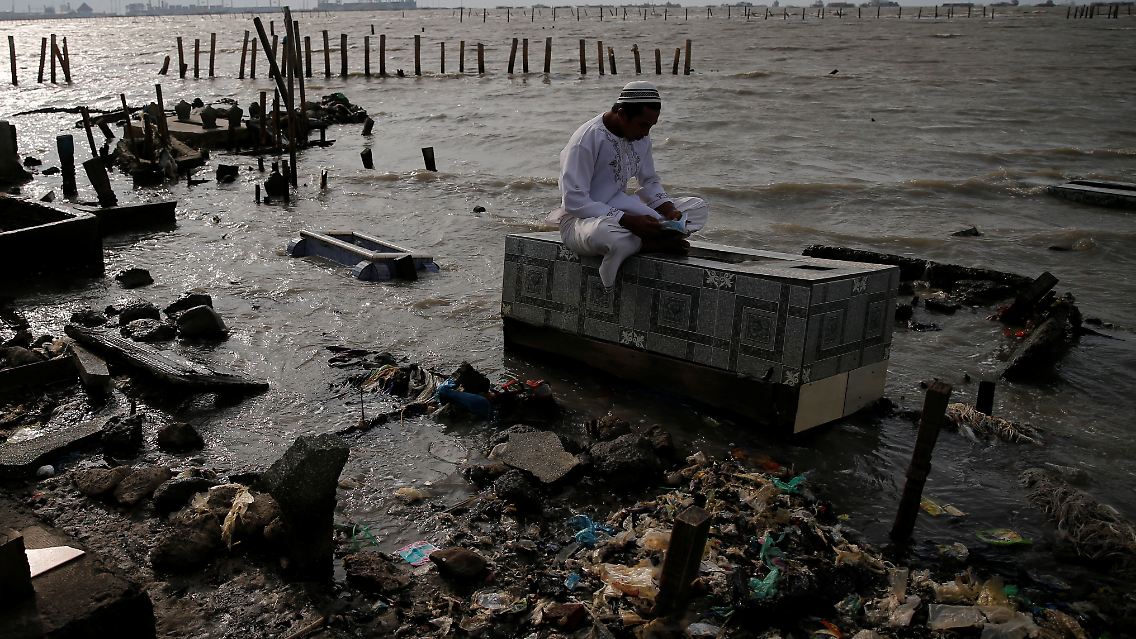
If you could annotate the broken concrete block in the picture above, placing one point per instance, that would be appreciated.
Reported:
(134, 277)
(93, 371)
(201, 322)
(540, 453)
(304, 482)
(18, 459)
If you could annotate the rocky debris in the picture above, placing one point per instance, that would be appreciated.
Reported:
(303, 482)
(375, 572)
(334, 109)
(607, 428)
(629, 459)
(179, 437)
(136, 310)
(459, 564)
(189, 546)
(176, 493)
(149, 330)
(12, 356)
(188, 301)
(539, 452)
(123, 435)
(140, 484)
(968, 232)
(516, 488)
(88, 317)
(134, 278)
(201, 322)
(1035, 349)
(98, 482)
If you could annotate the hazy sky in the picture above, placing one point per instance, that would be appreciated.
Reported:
(119, 5)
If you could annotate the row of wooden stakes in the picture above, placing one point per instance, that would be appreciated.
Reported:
(283, 61)
(57, 55)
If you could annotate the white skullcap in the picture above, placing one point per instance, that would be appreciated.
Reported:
(639, 92)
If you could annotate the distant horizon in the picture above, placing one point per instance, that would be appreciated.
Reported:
(119, 6)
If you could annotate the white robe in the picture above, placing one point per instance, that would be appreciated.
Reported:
(595, 169)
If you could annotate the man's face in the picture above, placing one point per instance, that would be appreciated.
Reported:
(637, 128)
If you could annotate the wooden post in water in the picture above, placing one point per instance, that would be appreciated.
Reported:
(600, 56)
(442, 57)
(326, 56)
(428, 158)
(461, 56)
(54, 54)
(12, 56)
(686, 64)
(480, 59)
(65, 61)
(367, 126)
(343, 55)
(383, 55)
(484, 14)
(684, 555)
(212, 51)
(263, 120)
(659, 61)
(196, 58)
(548, 55)
(181, 59)
(512, 55)
(42, 58)
(934, 414)
(417, 54)
(583, 60)
(525, 56)
(128, 129)
(611, 60)
(635, 52)
(244, 52)
(984, 403)
(252, 60)
(674, 68)
(367, 56)
(308, 56)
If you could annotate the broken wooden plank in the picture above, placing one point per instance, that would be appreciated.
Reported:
(1026, 302)
(163, 365)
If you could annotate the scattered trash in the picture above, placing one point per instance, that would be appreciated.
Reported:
(416, 553)
(1002, 537)
(588, 531)
(933, 508)
(411, 495)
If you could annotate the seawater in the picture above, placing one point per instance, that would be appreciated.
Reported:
(880, 134)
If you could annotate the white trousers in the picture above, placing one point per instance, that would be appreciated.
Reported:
(604, 236)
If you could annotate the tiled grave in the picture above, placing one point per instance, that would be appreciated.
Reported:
(819, 327)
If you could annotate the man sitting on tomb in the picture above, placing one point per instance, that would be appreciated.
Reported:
(597, 215)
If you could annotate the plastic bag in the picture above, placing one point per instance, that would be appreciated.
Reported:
(1002, 537)
(793, 486)
(589, 532)
(416, 553)
(475, 404)
(766, 587)
(901, 616)
(634, 581)
(655, 539)
(947, 617)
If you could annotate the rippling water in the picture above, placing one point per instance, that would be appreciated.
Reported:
(928, 127)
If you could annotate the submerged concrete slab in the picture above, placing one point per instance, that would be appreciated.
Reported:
(82, 598)
(38, 374)
(92, 369)
(21, 458)
(540, 453)
(37, 239)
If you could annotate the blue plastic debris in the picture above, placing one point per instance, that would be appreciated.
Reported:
(475, 404)
(572, 581)
(793, 486)
(588, 532)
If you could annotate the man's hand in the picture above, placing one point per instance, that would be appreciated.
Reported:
(644, 226)
(668, 211)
